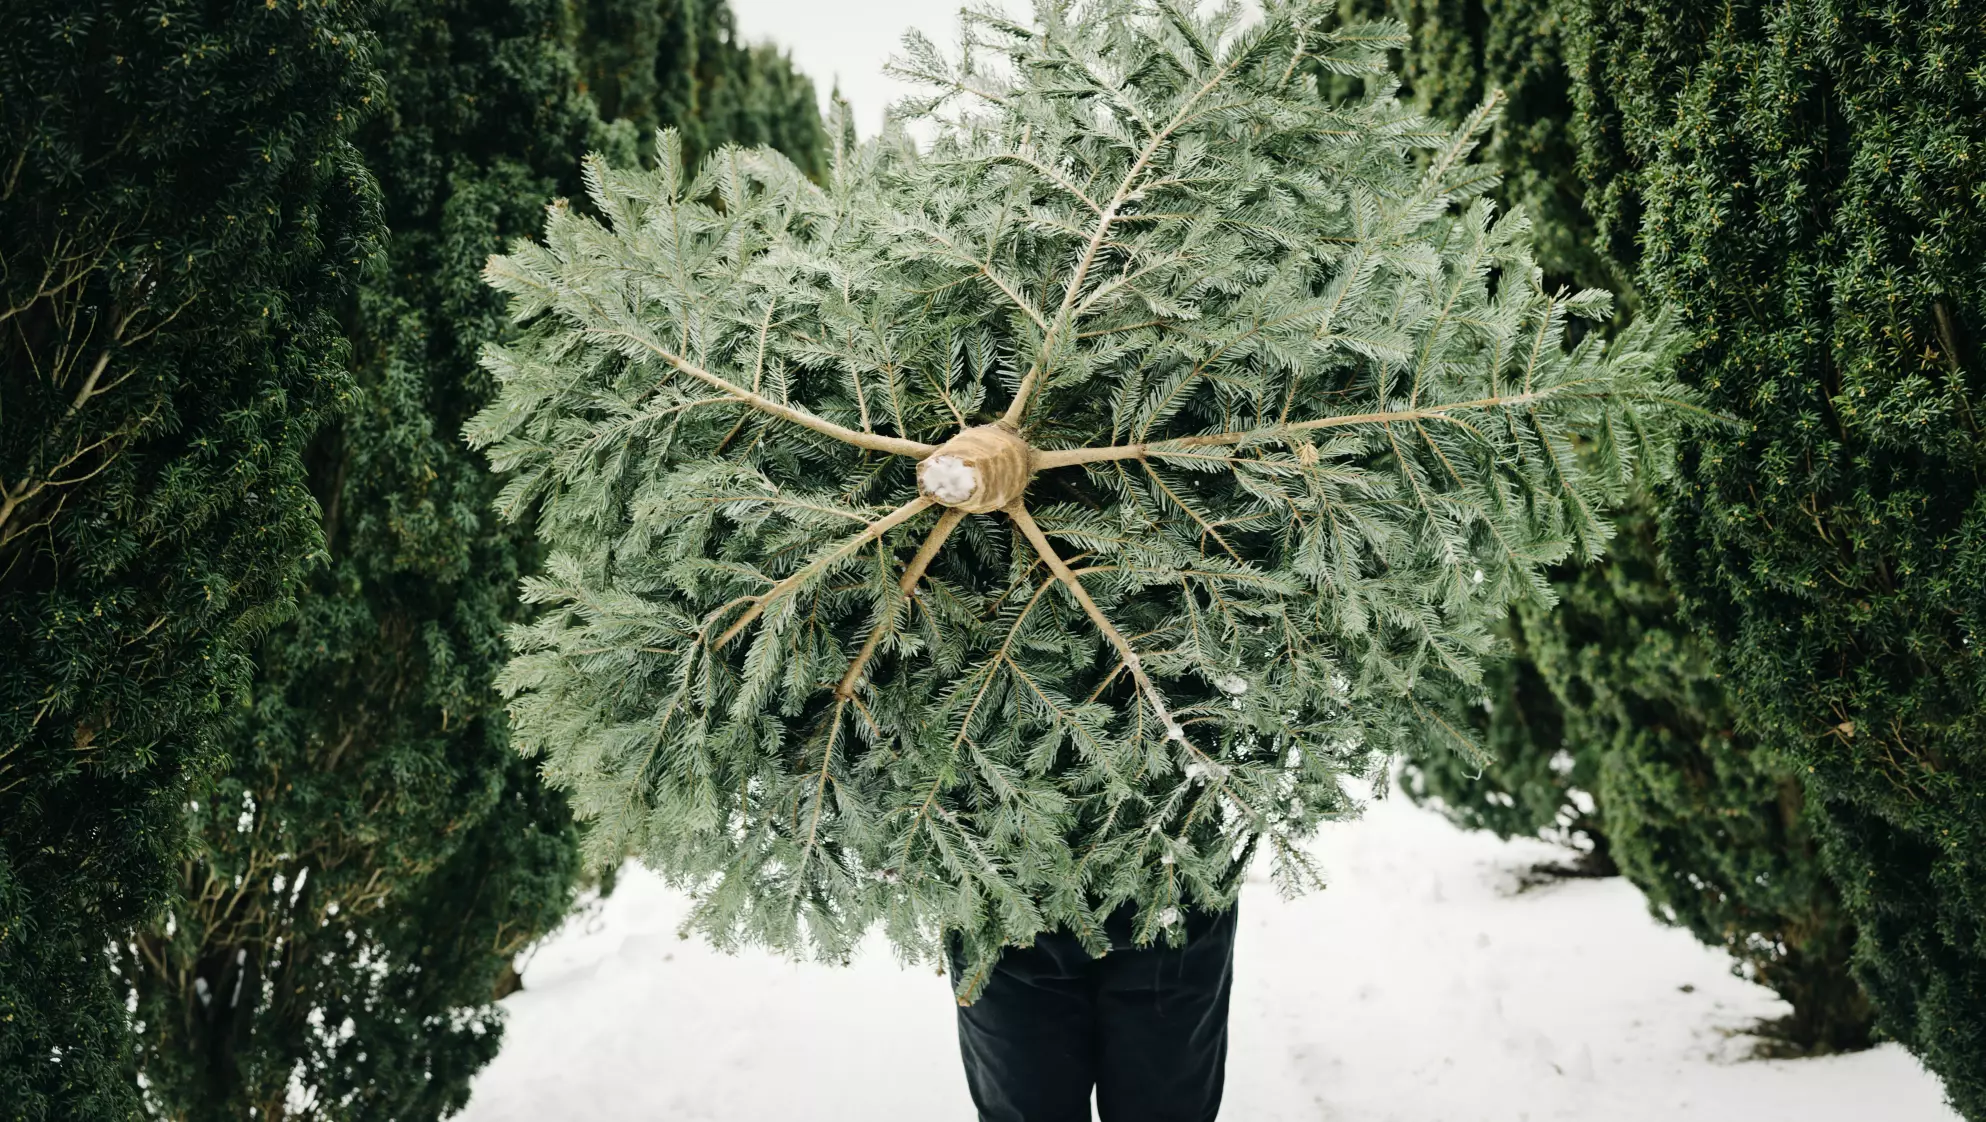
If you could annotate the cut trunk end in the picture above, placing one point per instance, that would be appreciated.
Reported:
(983, 469)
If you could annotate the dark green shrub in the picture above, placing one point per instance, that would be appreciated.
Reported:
(1708, 823)
(679, 63)
(180, 215)
(1611, 729)
(376, 855)
(1534, 782)
(1805, 182)
(1609, 719)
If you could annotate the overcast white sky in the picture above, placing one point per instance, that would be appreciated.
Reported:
(849, 40)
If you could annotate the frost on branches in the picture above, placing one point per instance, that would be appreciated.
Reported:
(1048, 519)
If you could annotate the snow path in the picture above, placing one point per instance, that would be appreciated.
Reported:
(1418, 988)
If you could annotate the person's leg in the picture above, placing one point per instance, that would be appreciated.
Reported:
(1162, 1027)
(1028, 1042)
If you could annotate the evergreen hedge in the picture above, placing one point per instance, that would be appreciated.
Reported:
(1804, 181)
(679, 63)
(372, 788)
(1609, 726)
(180, 215)
(378, 855)
(1613, 731)
(1710, 824)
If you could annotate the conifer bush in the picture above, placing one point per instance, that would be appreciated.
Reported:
(1802, 181)
(679, 63)
(377, 856)
(1534, 781)
(1611, 729)
(1607, 706)
(999, 534)
(180, 216)
(1709, 823)
(369, 766)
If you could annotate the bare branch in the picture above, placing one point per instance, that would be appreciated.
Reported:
(807, 572)
(1064, 457)
(947, 522)
(871, 441)
(89, 387)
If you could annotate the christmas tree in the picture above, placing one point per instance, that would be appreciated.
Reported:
(1006, 532)
(180, 218)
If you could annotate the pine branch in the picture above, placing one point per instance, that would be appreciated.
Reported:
(871, 441)
(1125, 652)
(913, 573)
(812, 569)
(1017, 409)
(1067, 457)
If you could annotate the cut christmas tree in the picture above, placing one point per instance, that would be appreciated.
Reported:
(1042, 521)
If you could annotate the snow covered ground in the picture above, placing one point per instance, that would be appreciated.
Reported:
(1420, 987)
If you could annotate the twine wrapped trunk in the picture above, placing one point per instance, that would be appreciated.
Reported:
(981, 470)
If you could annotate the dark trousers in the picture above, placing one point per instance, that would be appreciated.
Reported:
(1147, 1028)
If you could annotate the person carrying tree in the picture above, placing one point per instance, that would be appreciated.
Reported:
(1004, 541)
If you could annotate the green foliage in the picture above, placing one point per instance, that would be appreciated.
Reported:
(375, 856)
(678, 63)
(1710, 824)
(1302, 420)
(1462, 50)
(1804, 181)
(180, 214)
(770, 103)
(1536, 780)
(1563, 711)
(1627, 742)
